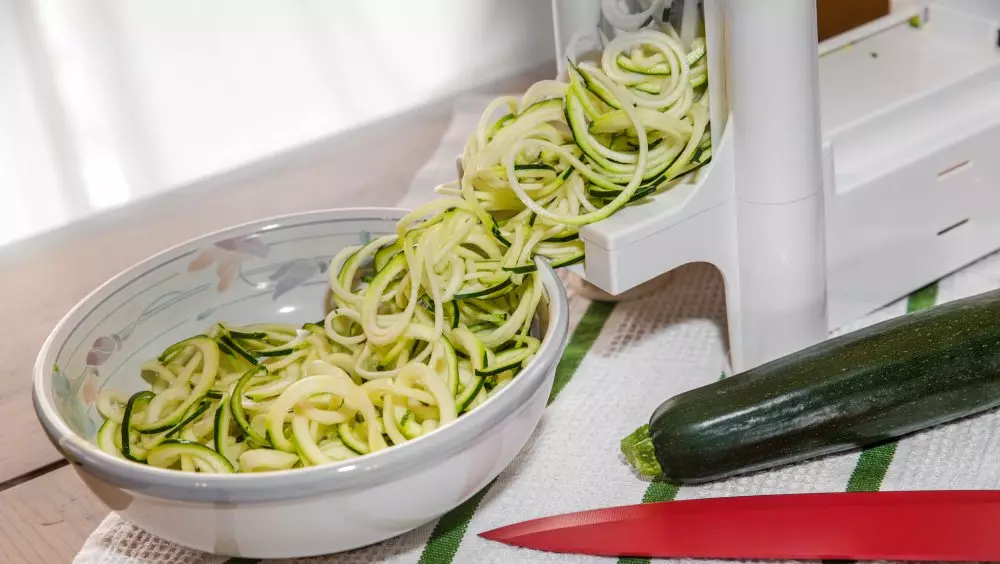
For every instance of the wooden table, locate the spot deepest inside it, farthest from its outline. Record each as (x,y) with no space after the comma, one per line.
(45,511)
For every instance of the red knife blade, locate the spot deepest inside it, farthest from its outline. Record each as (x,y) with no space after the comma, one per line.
(953,525)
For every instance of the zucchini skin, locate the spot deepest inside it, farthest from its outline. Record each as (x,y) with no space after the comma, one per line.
(855,390)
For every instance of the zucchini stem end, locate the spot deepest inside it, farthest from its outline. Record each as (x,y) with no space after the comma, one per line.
(639,451)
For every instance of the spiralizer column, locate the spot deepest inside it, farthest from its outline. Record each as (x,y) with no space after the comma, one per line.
(773,96)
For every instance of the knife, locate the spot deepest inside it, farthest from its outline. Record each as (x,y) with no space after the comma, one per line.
(953,525)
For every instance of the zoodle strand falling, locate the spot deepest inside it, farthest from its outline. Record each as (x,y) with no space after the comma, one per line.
(430,322)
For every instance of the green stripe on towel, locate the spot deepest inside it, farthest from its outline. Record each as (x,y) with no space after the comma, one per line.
(448,533)
(583,338)
(870,470)
(444,541)
(922,298)
(656,492)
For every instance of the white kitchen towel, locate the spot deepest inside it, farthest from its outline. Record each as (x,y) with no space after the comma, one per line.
(622,361)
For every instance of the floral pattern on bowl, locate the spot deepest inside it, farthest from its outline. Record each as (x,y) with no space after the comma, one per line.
(258,276)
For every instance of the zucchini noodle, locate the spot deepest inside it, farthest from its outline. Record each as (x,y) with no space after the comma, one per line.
(427,324)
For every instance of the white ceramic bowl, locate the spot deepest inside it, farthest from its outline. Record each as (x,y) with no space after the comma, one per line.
(273,269)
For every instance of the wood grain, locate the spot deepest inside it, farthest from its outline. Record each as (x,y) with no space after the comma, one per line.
(47,519)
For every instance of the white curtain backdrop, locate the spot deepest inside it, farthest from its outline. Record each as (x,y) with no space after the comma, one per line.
(106,101)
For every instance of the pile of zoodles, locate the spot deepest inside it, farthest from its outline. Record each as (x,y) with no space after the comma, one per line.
(430,322)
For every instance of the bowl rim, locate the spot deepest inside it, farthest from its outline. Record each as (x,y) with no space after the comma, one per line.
(360,472)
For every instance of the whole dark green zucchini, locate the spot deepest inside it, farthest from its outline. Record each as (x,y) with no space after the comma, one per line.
(856,390)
